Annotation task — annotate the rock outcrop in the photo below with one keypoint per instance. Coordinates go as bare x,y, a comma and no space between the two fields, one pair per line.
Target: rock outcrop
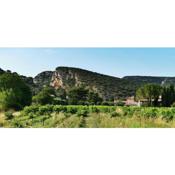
66,78
56,80
108,87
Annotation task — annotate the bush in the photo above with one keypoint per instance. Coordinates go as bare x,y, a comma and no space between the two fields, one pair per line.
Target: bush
104,109
56,109
72,109
82,112
17,124
167,115
151,113
8,115
47,109
31,116
94,109
30,109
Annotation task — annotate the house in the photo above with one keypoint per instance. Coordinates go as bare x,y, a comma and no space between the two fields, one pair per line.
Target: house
130,101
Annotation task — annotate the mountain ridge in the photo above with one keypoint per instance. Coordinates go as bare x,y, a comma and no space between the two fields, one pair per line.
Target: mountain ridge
108,87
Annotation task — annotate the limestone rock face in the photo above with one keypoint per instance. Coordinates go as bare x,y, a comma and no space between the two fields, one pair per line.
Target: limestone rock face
56,80
67,77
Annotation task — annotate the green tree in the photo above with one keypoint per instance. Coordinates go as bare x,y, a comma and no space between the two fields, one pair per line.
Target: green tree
60,97
7,99
46,96
61,93
94,98
78,96
168,96
150,93
14,93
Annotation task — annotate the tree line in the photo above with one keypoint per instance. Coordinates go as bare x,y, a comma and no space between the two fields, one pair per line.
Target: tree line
156,95
75,96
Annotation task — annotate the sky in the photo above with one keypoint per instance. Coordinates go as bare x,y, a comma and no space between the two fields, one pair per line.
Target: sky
117,62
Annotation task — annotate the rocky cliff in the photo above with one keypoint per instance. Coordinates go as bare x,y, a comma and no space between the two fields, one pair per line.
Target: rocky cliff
108,87
66,77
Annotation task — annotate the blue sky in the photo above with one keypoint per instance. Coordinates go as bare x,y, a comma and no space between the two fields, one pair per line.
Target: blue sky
112,61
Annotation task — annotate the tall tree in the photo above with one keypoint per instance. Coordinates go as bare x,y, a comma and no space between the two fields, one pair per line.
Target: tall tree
94,98
46,96
168,96
60,97
78,96
150,93
14,92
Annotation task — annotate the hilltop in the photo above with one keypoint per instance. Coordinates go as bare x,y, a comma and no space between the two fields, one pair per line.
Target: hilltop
106,86
67,77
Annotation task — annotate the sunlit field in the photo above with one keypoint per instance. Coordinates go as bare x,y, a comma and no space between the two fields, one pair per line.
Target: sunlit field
56,116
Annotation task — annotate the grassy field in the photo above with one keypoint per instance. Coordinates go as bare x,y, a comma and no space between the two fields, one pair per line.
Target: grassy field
51,116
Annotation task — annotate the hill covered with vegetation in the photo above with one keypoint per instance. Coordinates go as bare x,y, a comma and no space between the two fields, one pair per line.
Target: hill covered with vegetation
108,87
